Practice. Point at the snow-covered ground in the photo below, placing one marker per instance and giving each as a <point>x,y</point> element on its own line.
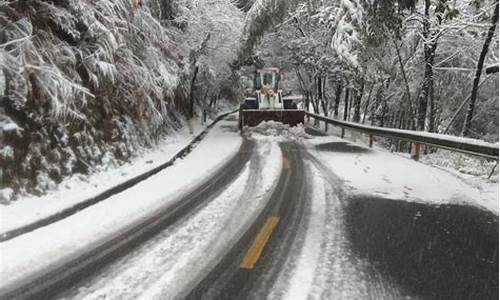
<point>322,265</point>
<point>378,172</point>
<point>473,171</point>
<point>168,265</point>
<point>55,244</point>
<point>79,188</point>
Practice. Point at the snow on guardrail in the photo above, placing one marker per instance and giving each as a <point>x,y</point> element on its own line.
<point>449,142</point>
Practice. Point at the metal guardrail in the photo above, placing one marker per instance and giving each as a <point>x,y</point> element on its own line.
<point>440,141</point>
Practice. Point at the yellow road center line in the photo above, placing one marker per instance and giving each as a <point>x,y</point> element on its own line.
<point>255,250</point>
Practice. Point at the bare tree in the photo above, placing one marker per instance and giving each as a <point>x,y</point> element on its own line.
<point>479,69</point>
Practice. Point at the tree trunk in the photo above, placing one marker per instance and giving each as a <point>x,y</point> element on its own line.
<point>305,91</point>
<point>191,93</point>
<point>367,104</point>
<point>315,106</point>
<point>212,101</point>
<point>384,113</point>
<point>432,112</point>
<point>459,109</point>
<point>338,93</point>
<point>324,101</point>
<point>403,72</point>
<point>346,103</point>
<point>357,102</point>
<point>374,108</point>
<point>429,50</point>
<point>482,56</point>
<point>319,86</point>
<point>308,100</point>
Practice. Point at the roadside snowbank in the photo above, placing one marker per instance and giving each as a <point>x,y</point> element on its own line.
<point>379,173</point>
<point>79,188</point>
<point>53,245</point>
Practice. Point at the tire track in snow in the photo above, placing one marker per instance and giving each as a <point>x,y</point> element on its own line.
<point>109,192</point>
<point>165,266</point>
<point>74,268</point>
<point>164,259</point>
<point>306,249</point>
<point>344,275</point>
<point>322,265</point>
<point>228,280</point>
<point>292,209</point>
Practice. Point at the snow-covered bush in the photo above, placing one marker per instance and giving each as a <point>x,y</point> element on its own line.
<point>85,83</point>
<point>463,163</point>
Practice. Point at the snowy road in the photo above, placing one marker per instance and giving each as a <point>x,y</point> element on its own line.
<point>237,276</point>
<point>290,216</point>
<point>70,274</point>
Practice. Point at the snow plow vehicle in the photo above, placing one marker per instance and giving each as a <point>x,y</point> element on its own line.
<point>269,103</point>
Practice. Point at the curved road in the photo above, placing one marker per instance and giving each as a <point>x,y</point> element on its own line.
<point>71,273</point>
<point>254,262</point>
<point>370,248</point>
<point>353,248</point>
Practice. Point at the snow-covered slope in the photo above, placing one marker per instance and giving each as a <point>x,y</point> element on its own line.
<point>79,188</point>
<point>90,83</point>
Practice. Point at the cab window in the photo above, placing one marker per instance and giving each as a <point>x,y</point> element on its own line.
<point>268,78</point>
<point>257,81</point>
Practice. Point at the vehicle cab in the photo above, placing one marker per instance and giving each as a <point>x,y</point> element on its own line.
<point>266,83</point>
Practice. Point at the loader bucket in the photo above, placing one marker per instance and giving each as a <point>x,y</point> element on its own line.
<point>253,117</point>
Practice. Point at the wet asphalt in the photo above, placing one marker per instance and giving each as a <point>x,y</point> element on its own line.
<point>428,251</point>
<point>410,250</point>
<point>431,252</point>
<point>71,274</point>
<point>342,147</point>
<point>423,251</point>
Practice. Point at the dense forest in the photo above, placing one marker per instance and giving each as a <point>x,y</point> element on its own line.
<point>87,83</point>
<point>412,65</point>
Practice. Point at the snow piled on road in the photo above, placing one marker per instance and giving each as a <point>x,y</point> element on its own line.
<point>276,131</point>
<point>377,172</point>
<point>50,246</point>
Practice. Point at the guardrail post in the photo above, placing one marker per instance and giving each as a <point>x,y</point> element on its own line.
<point>408,138</point>
<point>415,151</point>
<point>493,170</point>
<point>370,140</point>
<point>326,126</point>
